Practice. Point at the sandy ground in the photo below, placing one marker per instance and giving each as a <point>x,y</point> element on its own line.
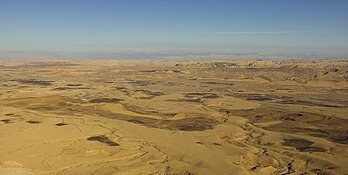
<point>167,117</point>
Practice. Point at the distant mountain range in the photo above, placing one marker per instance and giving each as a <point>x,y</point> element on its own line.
<point>166,55</point>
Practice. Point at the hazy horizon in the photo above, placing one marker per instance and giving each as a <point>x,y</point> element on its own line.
<point>168,55</point>
<point>312,26</point>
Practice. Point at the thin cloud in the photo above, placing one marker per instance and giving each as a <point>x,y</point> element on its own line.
<point>252,33</point>
<point>259,33</point>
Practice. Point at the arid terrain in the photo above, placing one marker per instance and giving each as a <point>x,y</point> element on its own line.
<point>173,117</point>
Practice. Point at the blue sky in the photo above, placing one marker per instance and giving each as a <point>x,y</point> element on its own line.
<point>228,25</point>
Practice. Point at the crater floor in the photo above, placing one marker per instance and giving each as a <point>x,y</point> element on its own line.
<point>173,117</point>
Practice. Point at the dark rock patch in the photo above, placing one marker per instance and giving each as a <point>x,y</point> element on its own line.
<point>177,71</point>
<point>123,90</point>
<point>139,83</point>
<point>266,78</point>
<point>60,89</point>
<point>136,121</point>
<point>139,110</point>
<point>192,100</point>
<point>190,124</point>
<point>103,139</point>
<point>291,116</point>
<point>105,100</point>
<point>200,142</point>
<point>201,95</point>
<point>298,143</point>
<point>217,83</point>
<point>303,145</point>
<point>35,82</point>
<point>194,127</point>
<point>145,98</point>
<point>33,122</point>
<point>71,84</point>
<point>61,124</point>
<point>148,71</point>
<point>321,172</point>
<point>6,121</point>
<point>151,93</point>
<point>333,70</point>
<point>311,149</point>
<point>224,64</point>
<point>257,97</point>
<point>68,88</point>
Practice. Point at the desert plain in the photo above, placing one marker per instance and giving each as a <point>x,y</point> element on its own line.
<point>198,117</point>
